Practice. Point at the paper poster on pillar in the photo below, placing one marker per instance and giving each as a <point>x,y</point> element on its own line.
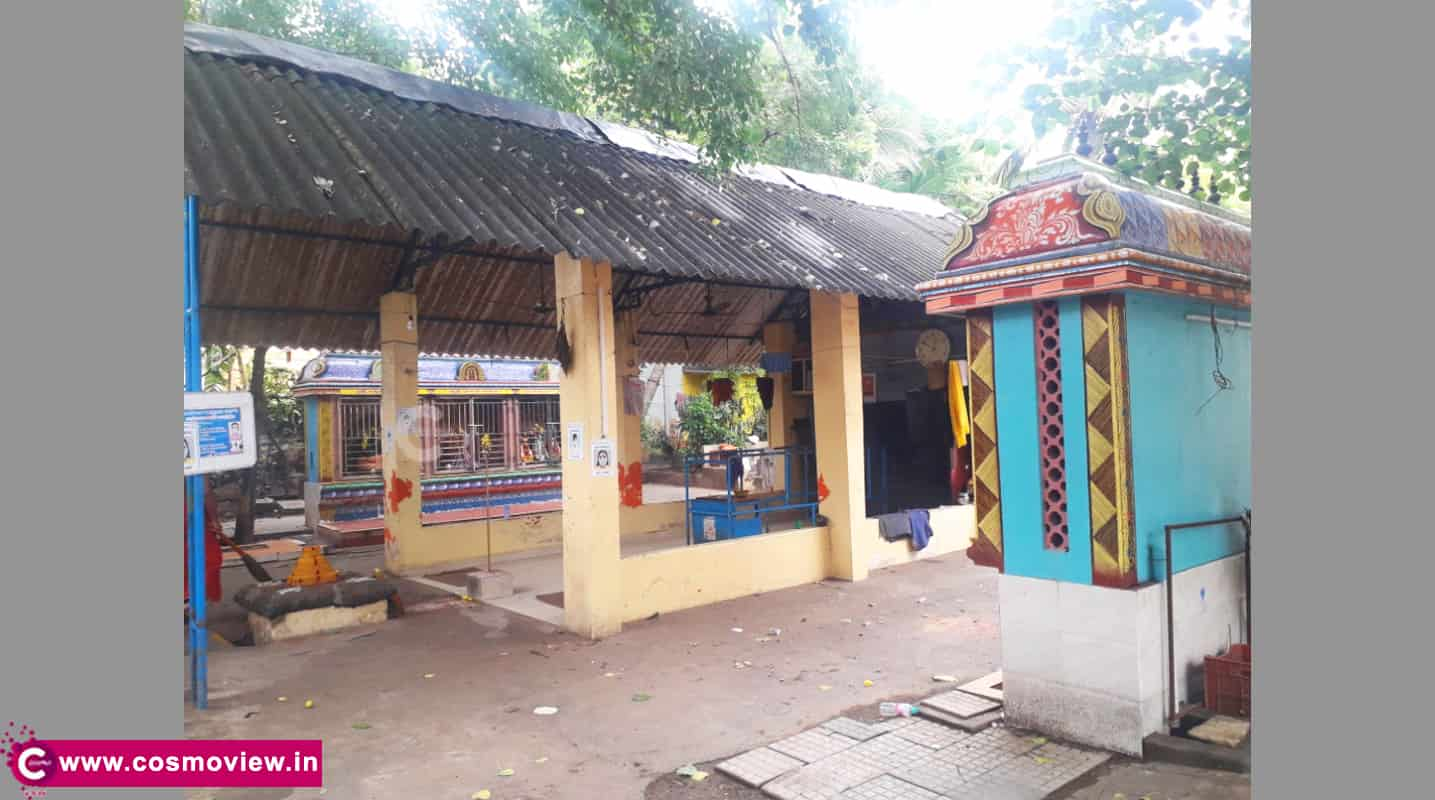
<point>408,421</point>
<point>575,441</point>
<point>603,458</point>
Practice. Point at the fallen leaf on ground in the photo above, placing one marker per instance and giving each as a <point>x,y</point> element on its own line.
<point>361,726</point>
<point>1041,760</point>
<point>1038,740</point>
<point>866,683</point>
<point>506,772</point>
<point>642,698</point>
<point>944,678</point>
<point>308,703</point>
<point>481,794</point>
<point>428,674</point>
<point>282,699</point>
<point>540,759</point>
<point>545,711</point>
<point>824,688</point>
<point>737,630</point>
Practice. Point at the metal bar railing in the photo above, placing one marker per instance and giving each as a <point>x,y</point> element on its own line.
<point>1245,521</point>
<point>731,512</point>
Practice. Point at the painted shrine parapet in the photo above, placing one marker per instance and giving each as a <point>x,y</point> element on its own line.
<point>1080,228</point>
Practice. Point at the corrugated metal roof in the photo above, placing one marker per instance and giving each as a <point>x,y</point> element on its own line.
<point>263,141</point>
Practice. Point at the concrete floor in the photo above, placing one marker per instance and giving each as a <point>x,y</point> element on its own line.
<point>1155,781</point>
<point>449,735</point>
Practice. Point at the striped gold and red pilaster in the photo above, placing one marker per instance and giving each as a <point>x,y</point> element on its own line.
<point>1108,441</point>
<point>986,547</point>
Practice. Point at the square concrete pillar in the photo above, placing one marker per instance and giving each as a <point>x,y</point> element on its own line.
<point>588,397</point>
<point>781,337</point>
<point>837,425</point>
<point>399,420</point>
<point>630,426</point>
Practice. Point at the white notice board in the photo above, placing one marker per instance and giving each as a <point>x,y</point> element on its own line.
<point>218,432</point>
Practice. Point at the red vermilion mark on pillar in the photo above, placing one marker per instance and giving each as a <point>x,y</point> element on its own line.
<point>388,536</point>
<point>822,490</point>
<point>399,491</point>
<point>630,484</point>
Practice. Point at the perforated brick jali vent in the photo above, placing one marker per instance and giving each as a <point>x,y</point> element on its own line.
<point>1051,430</point>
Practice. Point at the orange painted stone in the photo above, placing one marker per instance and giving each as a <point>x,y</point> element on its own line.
<point>312,569</point>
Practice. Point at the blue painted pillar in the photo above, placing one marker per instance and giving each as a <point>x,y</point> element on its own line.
<point>193,382</point>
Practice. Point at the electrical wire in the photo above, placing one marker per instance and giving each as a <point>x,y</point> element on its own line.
<point>1223,383</point>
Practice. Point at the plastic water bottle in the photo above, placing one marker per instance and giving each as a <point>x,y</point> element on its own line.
<point>899,710</point>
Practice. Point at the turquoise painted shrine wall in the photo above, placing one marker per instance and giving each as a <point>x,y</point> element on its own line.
<point>1189,463</point>
<point>1014,367</point>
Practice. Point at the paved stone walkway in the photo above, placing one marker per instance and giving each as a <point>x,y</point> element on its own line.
<point>910,759</point>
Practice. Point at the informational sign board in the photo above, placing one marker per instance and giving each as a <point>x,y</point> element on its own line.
<point>603,458</point>
<point>575,441</point>
<point>218,432</point>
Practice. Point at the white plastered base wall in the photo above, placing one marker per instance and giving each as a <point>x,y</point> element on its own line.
<point>1088,664</point>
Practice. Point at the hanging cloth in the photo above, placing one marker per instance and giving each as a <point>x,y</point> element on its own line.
<point>957,405</point>
<point>721,390</point>
<point>764,392</point>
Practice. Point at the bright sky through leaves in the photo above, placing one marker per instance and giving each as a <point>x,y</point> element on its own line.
<point>932,51</point>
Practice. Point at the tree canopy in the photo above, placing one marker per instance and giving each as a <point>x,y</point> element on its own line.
<point>780,81</point>
<point>1171,113</point>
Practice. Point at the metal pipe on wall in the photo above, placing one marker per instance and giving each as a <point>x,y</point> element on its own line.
<point>1173,712</point>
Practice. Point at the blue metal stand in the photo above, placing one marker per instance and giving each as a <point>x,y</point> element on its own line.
<point>737,516</point>
<point>193,382</point>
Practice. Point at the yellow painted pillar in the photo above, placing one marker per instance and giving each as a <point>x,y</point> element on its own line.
<point>837,424</point>
<point>588,397</point>
<point>781,337</point>
<point>398,418</point>
<point>630,432</point>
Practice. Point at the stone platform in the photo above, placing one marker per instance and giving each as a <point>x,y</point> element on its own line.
<point>913,759</point>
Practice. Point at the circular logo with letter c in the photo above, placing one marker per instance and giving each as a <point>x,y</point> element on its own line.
<point>34,763</point>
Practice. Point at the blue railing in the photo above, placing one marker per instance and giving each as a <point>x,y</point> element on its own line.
<point>733,515</point>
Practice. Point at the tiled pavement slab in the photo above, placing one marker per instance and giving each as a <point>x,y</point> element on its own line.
<point>886,787</point>
<point>960,703</point>
<point>989,788</point>
<point>912,760</point>
<point>889,725</point>
<point>930,734</point>
<point>813,745</point>
<point>985,686</point>
<point>968,724</point>
<point>948,770</point>
<point>756,767</point>
<point>939,776</point>
<point>853,729</point>
<point>825,780</point>
<point>887,753</point>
